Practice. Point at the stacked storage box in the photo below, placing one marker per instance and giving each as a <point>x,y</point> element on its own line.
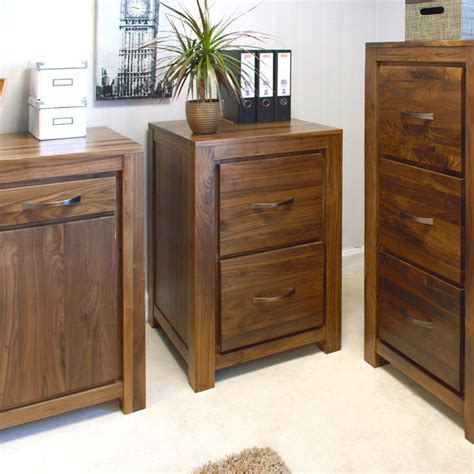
<point>439,20</point>
<point>58,99</point>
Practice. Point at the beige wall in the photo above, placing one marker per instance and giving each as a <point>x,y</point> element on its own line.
<point>327,38</point>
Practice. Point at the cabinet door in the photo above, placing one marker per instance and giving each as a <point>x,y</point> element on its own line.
<point>60,327</point>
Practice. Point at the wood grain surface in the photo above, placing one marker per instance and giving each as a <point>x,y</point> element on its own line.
<point>420,315</point>
<point>254,133</point>
<point>203,193</point>
<point>332,224</point>
<point>59,405</point>
<point>371,224</point>
<point>437,248</point>
<point>60,328</point>
<point>422,377</point>
<point>408,193</point>
<point>245,185</point>
<point>96,196</point>
<point>100,142</point>
<point>173,234</point>
<point>405,90</point>
<point>133,282</point>
<point>270,275</point>
<point>203,322</point>
<point>469,257</point>
<point>72,283</point>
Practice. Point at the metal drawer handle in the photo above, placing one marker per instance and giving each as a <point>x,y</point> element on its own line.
<point>46,205</point>
<point>416,322</point>
<point>272,205</point>
<point>420,220</point>
<point>274,299</point>
<point>417,115</point>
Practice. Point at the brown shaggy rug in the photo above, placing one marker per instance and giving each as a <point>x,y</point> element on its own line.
<point>253,461</point>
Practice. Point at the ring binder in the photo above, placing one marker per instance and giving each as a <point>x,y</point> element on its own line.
<point>265,89</point>
<point>241,111</point>
<point>282,85</point>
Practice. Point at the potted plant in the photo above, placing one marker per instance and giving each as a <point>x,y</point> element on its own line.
<point>195,56</point>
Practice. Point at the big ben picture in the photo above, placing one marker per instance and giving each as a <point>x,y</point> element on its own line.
<point>124,68</point>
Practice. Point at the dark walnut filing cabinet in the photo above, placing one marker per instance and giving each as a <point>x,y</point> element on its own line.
<point>71,275</point>
<point>246,241</point>
<point>420,216</point>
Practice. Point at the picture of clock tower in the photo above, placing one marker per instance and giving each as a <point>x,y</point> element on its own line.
<point>138,26</point>
<point>133,73</point>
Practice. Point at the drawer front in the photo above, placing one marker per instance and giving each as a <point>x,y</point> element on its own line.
<point>57,201</point>
<point>421,115</point>
<point>420,315</point>
<point>421,217</point>
<point>271,294</point>
<point>270,202</point>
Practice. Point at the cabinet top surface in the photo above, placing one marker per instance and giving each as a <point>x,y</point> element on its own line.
<point>100,141</point>
<point>234,132</point>
<point>423,44</point>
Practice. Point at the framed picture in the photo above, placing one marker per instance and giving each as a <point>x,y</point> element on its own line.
<point>124,69</point>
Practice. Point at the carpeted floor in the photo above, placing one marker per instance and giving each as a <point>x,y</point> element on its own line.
<point>321,413</point>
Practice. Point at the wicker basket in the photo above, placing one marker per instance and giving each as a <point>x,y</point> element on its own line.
<point>439,19</point>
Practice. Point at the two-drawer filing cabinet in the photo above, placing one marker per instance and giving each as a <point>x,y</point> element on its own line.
<point>245,241</point>
<point>72,299</point>
<point>420,216</point>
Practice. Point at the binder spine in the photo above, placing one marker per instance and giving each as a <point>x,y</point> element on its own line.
<point>242,111</point>
<point>283,85</point>
<point>265,89</point>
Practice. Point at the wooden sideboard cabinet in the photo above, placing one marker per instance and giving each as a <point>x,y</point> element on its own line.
<point>71,275</point>
<point>245,244</point>
<point>419,240</point>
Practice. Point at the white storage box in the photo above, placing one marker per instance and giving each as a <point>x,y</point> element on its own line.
<point>58,84</point>
<point>47,122</point>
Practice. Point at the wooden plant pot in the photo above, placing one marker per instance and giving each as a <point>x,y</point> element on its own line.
<point>204,117</point>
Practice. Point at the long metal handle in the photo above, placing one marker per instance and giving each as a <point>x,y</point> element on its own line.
<point>417,115</point>
<point>46,205</point>
<point>274,299</point>
<point>272,205</point>
<point>416,322</point>
<point>420,220</point>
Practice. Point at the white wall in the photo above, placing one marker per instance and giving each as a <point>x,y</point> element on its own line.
<point>327,37</point>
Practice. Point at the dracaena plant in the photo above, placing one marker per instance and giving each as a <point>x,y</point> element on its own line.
<point>195,52</point>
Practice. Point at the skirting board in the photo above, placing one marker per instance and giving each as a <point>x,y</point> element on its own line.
<point>352,262</point>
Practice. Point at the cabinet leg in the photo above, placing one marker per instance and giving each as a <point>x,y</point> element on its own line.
<point>201,378</point>
<point>331,344</point>
<point>374,359</point>
<point>469,432</point>
<point>153,322</point>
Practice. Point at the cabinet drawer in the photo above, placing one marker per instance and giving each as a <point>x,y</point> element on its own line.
<point>57,201</point>
<point>271,294</point>
<point>420,315</point>
<point>270,202</point>
<point>421,217</point>
<point>421,115</point>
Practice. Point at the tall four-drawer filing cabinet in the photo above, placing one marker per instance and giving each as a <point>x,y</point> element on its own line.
<point>419,313</point>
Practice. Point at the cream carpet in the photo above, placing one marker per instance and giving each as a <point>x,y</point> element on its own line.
<point>321,413</point>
